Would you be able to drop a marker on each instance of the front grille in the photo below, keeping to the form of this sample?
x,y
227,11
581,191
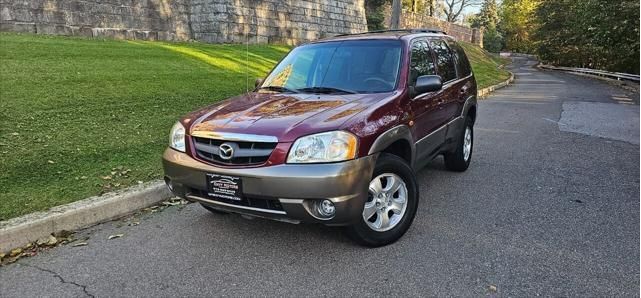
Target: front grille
x,y
255,202
245,153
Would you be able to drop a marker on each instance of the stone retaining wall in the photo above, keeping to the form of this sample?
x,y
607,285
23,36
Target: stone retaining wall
x,y
460,32
256,21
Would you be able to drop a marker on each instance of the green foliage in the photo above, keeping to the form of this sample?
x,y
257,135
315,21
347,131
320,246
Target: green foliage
x,y
492,40
72,111
598,34
488,17
375,14
518,24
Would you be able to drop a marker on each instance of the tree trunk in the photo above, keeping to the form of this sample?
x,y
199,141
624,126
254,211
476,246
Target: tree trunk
x,y
395,20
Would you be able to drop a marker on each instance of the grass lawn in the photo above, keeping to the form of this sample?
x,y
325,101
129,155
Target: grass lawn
x,y
80,117
486,65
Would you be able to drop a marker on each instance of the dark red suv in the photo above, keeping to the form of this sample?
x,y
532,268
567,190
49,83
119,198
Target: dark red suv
x,y
333,135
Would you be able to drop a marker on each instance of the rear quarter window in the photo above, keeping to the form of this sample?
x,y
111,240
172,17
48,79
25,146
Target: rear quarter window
x,y
462,64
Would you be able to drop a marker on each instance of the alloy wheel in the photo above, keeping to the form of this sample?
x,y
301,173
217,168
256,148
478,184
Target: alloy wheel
x,y
467,143
386,203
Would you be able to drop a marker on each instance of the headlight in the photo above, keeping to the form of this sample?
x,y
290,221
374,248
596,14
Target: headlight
x,y
177,137
323,147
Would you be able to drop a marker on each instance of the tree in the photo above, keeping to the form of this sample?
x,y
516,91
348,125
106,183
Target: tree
x,y
395,20
488,19
518,24
375,14
489,15
430,7
453,8
589,33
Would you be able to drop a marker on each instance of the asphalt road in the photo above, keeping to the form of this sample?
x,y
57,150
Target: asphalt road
x,y
549,206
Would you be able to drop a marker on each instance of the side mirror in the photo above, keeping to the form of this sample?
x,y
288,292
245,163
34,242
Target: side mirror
x,y
428,83
258,82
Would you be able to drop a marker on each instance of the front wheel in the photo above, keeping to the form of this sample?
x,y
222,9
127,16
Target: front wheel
x,y
391,204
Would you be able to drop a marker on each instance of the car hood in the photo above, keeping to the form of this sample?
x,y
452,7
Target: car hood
x,y
285,116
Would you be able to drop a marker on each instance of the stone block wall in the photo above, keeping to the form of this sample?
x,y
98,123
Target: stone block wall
x,y
273,21
125,19
460,32
218,21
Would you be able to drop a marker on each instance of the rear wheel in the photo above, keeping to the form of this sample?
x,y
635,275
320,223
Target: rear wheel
x,y
459,159
213,210
391,204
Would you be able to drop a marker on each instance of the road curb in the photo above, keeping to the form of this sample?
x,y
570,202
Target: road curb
x,y
486,91
20,231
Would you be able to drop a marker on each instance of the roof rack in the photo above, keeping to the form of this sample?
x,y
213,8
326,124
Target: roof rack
x,y
419,30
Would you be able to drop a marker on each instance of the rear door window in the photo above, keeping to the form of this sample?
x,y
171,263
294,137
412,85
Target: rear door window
x,y
444,60
421,62
462,64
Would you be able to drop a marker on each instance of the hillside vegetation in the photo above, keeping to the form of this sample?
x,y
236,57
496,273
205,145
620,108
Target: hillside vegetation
x,y
80,117
487,66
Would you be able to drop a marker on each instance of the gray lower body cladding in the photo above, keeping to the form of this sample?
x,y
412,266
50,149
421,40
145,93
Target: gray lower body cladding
x,y
289,189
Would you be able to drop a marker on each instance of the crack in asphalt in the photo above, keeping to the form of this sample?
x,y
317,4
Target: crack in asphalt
x,y
62,280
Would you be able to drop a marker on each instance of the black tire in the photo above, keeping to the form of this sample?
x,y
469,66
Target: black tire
x,y
455,161
213,210
361,231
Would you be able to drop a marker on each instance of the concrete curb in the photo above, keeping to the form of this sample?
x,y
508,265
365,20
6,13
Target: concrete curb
x,y
486,91
20,231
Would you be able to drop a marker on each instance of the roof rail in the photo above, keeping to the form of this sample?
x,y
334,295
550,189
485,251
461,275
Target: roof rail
x,y
418,30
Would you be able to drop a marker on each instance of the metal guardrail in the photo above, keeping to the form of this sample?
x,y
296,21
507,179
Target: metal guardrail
x,y
613,75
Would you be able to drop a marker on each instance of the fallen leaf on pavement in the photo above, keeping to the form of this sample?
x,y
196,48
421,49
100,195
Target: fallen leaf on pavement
x,y
115,236
47,241
15,252
492,288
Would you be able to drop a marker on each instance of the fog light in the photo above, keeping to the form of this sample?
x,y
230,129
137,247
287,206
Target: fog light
x,y
326,208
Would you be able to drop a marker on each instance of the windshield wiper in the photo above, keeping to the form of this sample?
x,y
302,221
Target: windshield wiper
x,y
326,90
278,89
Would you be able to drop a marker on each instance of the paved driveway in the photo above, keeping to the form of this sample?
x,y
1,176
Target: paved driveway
x,y
549,206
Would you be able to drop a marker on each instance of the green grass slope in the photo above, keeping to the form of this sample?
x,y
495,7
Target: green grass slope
x,y
486,65
80,117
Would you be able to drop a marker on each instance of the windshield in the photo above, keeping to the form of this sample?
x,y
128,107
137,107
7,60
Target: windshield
x,y
359,66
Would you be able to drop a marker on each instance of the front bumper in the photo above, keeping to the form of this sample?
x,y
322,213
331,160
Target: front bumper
x,y
293,188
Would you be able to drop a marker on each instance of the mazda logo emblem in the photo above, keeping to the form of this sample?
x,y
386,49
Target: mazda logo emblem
x,y
226,151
